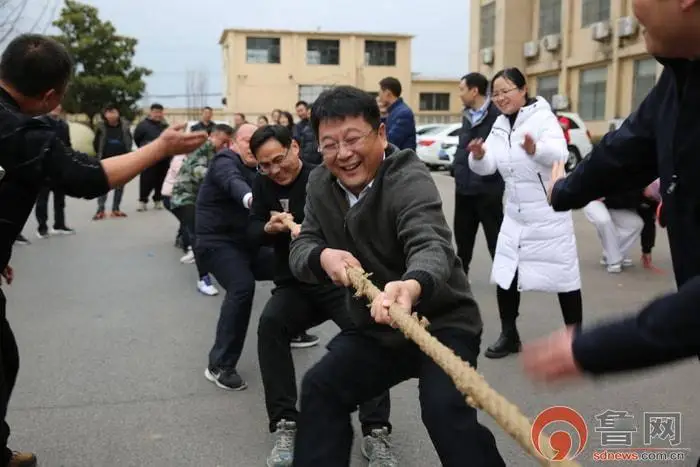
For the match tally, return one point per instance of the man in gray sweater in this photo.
(373, 206)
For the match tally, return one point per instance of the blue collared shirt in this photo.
(478, 114)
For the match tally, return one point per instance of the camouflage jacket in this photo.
(191, 175)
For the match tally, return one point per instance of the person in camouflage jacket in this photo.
(186, 187)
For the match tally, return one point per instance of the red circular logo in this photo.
(567, 445)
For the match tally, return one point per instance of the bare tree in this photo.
(14, 20)
(196, 92)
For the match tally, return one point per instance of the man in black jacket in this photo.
(478, 200)
(34, 74)
(222, 216)
(59, 198)
(660, 139)
(112, 138)
(206, 123)
(151, 179)
(304, 134)
(295, 307)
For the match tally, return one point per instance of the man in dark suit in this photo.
(222, 217)
(478, 200)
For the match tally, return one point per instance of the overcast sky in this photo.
(439, 48)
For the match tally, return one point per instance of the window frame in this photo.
(433, 99)
(549, 17)
(326, 48)
(383, 51)
(599, 94)
(274, 47)
(594, 11)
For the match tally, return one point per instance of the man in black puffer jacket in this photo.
(478, 200)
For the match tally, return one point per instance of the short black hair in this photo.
(392, 84)
(514, 75)
(240, 115)
(343, 102)
(157, 106)
(224, 128)
(264, 134)
(206, 107)
(478, 81)
(109, 107)
(34, 64)
(304, 103)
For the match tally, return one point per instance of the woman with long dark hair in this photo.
(536, 247)
(287, 120)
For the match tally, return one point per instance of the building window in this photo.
(487, 33)
(548, 87)
(550, 17)
(262, 50)
(380, 53)
(644, 80)
(434, 101)
(591, 94)
(310, 92)
(322, 52)
(593, 11)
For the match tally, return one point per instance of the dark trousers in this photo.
(9, 359)
(186, 215)
(236, 268)
(181, 230)
(42, 209)
(571, 304)
(358, 368)
(151, 180)
(470, 211)
(116, 200)
(291, 310)
(648, 235)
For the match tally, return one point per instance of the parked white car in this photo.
(430, 145)
(578, 138)
(428, 127)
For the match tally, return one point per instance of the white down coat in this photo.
(536, 241)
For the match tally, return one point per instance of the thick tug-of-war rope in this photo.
(470, 383)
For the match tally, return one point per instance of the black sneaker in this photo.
(62, 231)
(304, 340)
(22, 240)
(225, 379)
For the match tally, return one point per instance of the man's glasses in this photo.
(264, 168)
(331, 149)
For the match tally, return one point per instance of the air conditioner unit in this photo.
(627, 26)
(560, 102)
(600, 31)
(531, 49)
(551, 42)
(487, 56)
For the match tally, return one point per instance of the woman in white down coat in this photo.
(536, 247)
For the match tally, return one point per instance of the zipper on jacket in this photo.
(672, 186)
(539, 175)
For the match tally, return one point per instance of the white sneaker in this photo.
(205, 286)
(627, 263)
(188, 258)
(614, 268)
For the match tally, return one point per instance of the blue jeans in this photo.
(236, 268)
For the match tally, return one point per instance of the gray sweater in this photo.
(398, 232)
